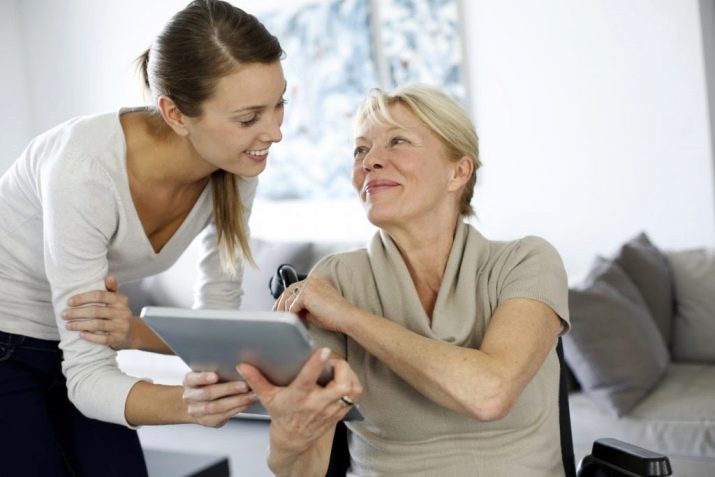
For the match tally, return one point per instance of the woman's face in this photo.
(241, 120)
(403, 173)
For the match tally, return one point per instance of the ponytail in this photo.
(229, 212)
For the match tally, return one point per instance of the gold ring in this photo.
(346, 401)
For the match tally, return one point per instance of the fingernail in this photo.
(70, 301)
(242, 387)
(251, 396)
(324, 353)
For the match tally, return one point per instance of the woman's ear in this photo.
(462, 172)
(172, 116)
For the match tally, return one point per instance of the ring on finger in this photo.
(346, 401)
(296, 290)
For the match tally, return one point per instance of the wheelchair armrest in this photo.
(613, 457)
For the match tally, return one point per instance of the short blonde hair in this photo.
(440, 113)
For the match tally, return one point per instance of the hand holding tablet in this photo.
(276, 343)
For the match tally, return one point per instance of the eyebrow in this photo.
(393, 128)
(261, 107)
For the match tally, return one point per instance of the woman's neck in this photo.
(426, 251)
(157, 155)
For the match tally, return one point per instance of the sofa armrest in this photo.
(614, 457)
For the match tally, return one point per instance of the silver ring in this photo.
(346, 401)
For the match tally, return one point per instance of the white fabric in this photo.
(68, 220)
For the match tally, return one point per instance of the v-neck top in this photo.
(68, 220)
(404, 432)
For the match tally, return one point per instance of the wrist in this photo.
(134, 334)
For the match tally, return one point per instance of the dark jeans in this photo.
(42, 433)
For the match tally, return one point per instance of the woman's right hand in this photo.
(211, 403)
(304, 411)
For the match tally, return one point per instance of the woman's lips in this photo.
(257, 155)
(378, 185)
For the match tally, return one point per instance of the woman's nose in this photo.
(273, 133)
(372, 160)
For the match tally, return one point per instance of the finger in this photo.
(345, 382)
(200, 379)
(312, 369)
(228, 405)
(256, 381)
(94, 338)
(92, 326)
(111, 283)
(96, 296)
(213, 392)
(88, 312)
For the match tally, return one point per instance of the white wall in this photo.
(14, 97)
(592, 115)
(593, 123)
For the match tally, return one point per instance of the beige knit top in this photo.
(406, 434)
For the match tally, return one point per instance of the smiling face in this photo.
(402, 172)
(241, 120)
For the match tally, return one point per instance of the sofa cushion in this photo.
(676, 419)
(694, 323)
(648, 268)
(614, 347)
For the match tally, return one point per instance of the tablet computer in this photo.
(277, 343)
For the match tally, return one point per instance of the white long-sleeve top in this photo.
(67, 220)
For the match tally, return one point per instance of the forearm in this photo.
(464, 380)
(149, 404)
(144, 338)
(286, 459)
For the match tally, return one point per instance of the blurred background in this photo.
(595, 117)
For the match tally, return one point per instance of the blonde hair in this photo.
(440, 113)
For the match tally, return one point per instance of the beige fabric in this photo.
(405, 433)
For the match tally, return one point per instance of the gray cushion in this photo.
(694, 323)
(614, 348)
(648, 268)
(269, 256)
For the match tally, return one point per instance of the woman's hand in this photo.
(304, 411)
(211, 403)
(318, 302)
(102, 317)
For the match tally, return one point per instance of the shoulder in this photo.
(81, 146)
(513, 253)
(343, 266)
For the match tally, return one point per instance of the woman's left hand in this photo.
(102, 317)
(317, 301)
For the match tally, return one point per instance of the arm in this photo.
(481, 383)
(80, 210)
(104, 317)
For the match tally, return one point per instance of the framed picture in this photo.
(337, 50)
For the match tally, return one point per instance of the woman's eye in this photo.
(282, 103)
(246, 122)
(398, 140)
(359, 151)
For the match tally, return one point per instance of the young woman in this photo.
(124, 193)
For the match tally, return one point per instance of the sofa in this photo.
(641, 354)
(656, 390)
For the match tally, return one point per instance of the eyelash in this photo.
(395, 141)
(257, 116)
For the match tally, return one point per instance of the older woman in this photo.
(451, 335)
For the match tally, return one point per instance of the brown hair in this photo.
(441, 114)
(202, 43)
